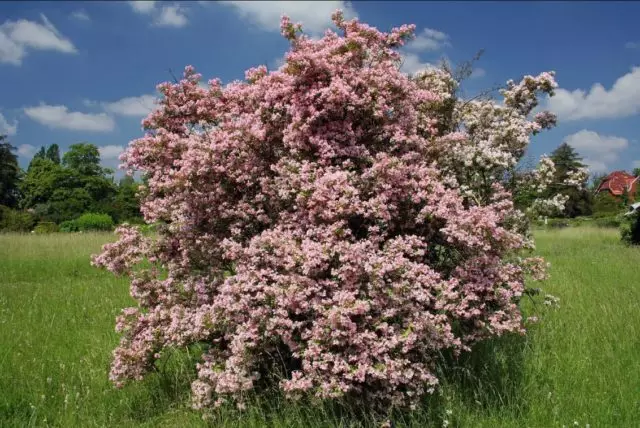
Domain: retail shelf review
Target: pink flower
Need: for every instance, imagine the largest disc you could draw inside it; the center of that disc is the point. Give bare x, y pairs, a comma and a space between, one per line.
334, 213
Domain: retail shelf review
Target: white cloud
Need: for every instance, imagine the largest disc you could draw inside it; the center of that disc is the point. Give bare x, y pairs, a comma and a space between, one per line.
110, 152
635, 164
315, 16
17, 37
60, 117
7, 128
632, 45
144, 7
599, 151
622, 100
412, 64
429, 40
81, 15
26, 150
130, 106
172, 15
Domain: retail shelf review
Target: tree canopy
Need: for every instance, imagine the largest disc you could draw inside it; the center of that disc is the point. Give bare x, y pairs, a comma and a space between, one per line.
9, 173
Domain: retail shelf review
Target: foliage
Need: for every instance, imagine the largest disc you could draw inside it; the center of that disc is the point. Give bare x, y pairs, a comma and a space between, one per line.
53, 154
636, 172
125, 206
612, 221
68, 226
9, 173
630, 230
568, 162
59, 192
605, 204
84, 158
46, 227
15, 221
94, 222
334, 221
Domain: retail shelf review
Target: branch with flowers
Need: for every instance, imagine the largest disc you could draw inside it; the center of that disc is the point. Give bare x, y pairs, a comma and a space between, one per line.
334, 212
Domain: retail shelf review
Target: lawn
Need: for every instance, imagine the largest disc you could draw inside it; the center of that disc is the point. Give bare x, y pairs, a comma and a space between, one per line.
580, 366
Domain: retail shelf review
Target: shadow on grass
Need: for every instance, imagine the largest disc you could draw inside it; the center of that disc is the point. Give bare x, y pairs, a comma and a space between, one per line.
487, 381
489, 378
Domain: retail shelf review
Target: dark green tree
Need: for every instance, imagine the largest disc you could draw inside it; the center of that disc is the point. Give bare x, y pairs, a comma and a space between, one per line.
566, 161
126, 201
53, 154
84, 158
43, 177
41, 153
59, 192
9, 173
636, 172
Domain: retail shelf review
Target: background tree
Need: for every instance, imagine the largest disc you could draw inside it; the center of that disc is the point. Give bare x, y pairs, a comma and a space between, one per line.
9, 173
84, 158
64, 191
636, 172
126, 204
53, 154
567, 162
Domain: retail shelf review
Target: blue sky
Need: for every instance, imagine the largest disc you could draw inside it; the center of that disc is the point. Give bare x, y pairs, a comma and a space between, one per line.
74, 71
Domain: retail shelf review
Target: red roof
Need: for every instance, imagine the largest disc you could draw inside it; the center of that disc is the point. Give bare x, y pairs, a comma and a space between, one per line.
617, 182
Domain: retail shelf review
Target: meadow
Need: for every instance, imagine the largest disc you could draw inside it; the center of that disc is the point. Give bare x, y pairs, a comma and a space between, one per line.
578, 366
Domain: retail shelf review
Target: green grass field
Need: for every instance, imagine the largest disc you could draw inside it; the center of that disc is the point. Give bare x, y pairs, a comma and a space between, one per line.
579, 365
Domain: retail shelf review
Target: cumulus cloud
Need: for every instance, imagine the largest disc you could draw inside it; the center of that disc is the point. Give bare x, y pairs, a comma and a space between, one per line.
130, 106
110, 152
18, 37
144, 7
7, 128
412, 64
59, 116
621, 100
80, 15
171, 15
429, 40
314, 16
632, 45
26, 150
599, 151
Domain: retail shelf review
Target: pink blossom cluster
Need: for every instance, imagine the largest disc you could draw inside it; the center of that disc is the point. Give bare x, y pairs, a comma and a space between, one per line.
334, 221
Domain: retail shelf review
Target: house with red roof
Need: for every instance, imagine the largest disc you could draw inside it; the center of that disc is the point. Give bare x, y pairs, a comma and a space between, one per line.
617, 182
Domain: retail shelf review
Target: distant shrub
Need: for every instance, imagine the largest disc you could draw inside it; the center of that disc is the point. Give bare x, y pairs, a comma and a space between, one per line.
90, 222
606, 205
68, 226
608, 221
46, 227
558, 223
630, 230
15, 221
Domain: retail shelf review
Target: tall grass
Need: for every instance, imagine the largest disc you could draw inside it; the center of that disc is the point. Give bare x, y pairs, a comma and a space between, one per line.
578, 365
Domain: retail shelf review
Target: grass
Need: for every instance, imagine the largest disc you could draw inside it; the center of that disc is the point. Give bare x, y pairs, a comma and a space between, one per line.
579, 364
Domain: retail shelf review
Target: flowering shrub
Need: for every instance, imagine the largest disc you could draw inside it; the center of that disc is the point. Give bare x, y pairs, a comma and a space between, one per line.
335, 219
